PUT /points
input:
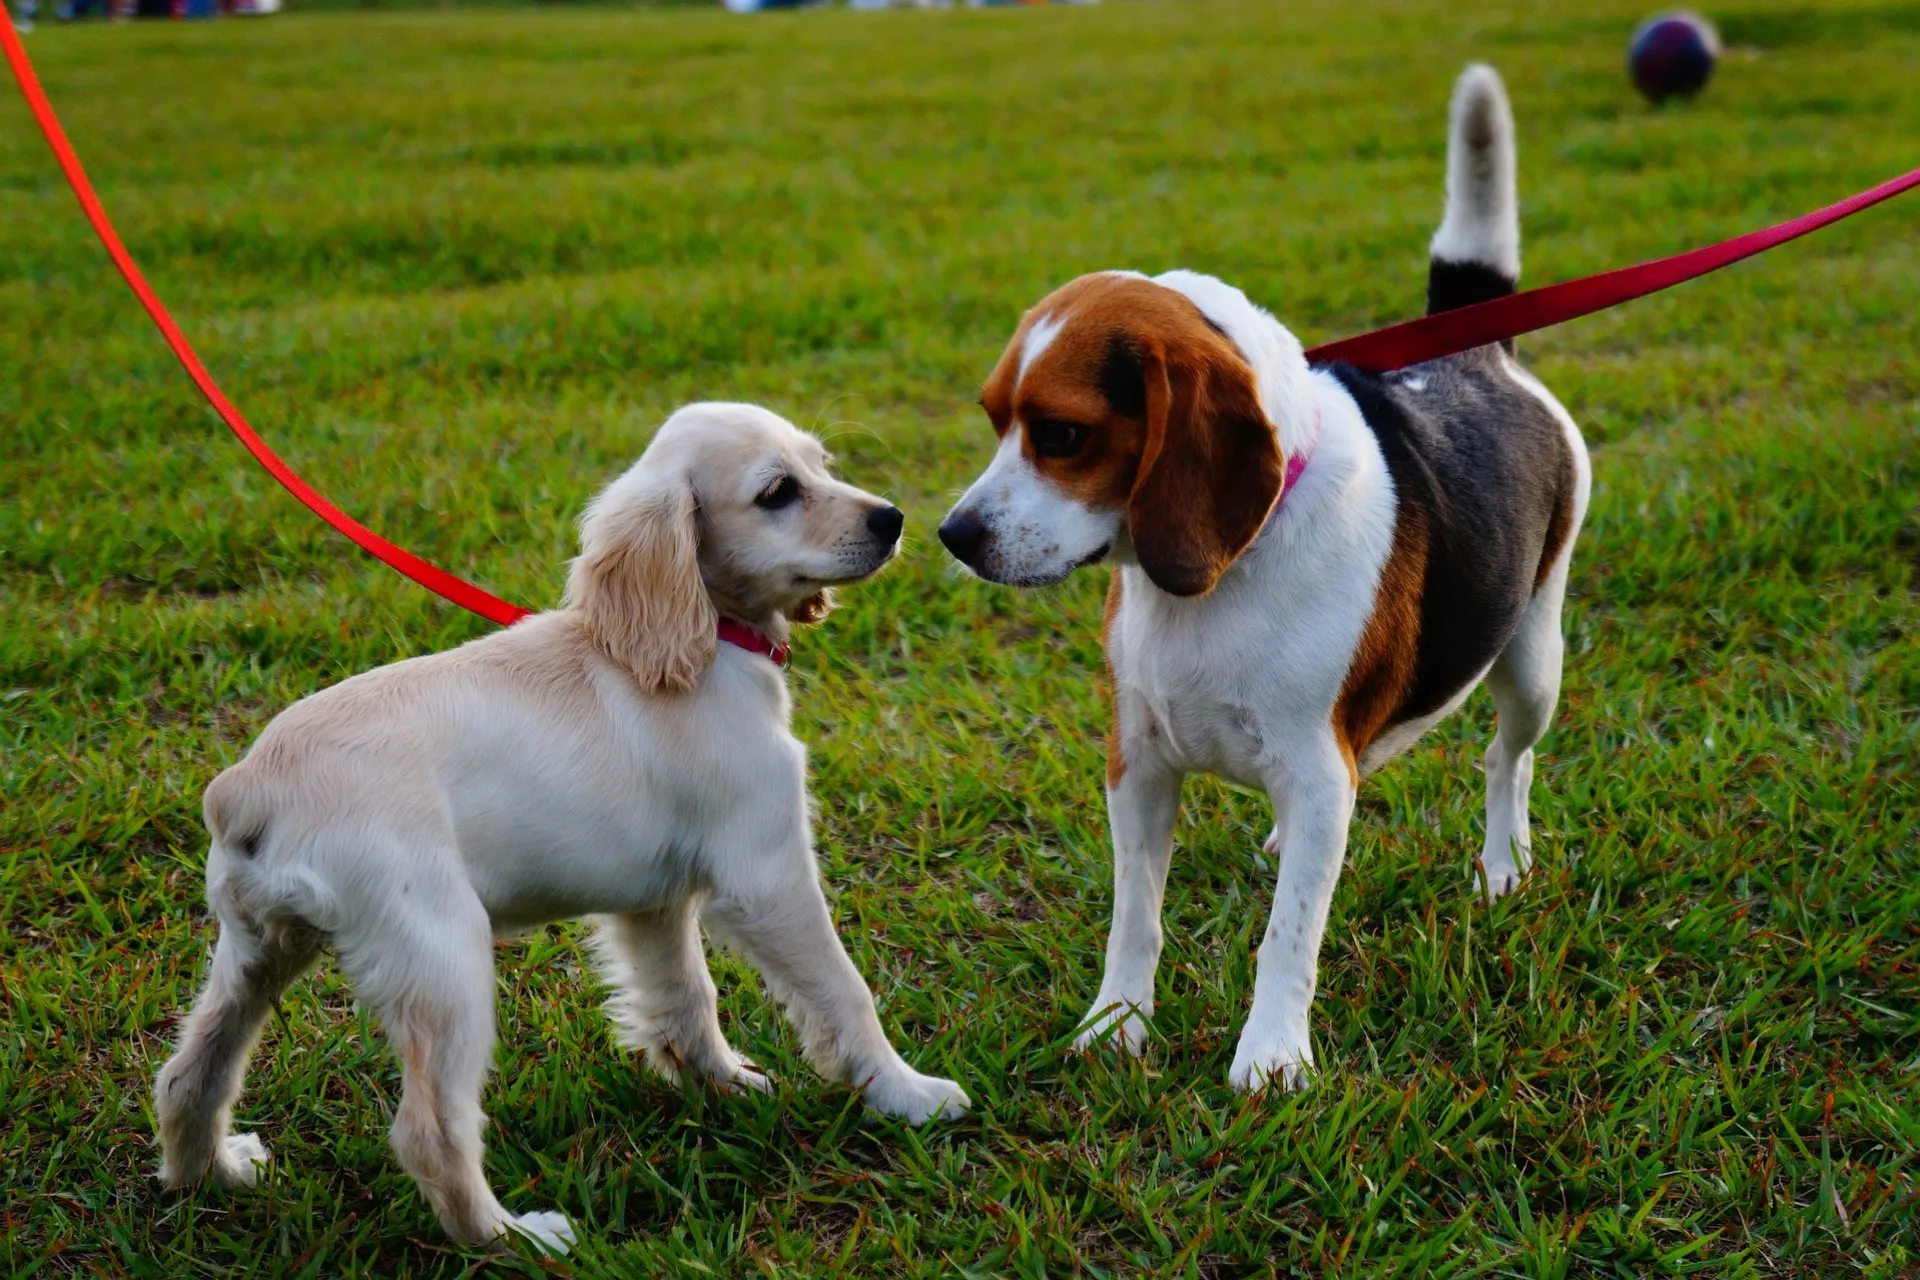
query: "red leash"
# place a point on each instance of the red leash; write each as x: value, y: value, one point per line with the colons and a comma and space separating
x: 1451, y: 332
x: 432, y: 577
x: 1394, y: 347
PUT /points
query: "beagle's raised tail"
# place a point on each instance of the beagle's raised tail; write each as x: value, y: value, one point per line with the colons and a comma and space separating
x: 1475, y: 255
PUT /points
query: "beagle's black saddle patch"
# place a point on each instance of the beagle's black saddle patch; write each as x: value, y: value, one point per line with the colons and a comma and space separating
x: 1484, y: 477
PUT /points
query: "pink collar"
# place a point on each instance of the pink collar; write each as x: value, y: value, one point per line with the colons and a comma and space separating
x: 1296, y: 463
x: 742, y: 636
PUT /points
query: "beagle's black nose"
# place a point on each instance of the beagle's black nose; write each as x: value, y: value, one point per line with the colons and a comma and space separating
x: 885, y: 524
x: 963, y: 533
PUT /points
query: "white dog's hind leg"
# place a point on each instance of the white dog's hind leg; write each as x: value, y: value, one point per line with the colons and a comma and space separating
x: 1525, y: 683
x: 1141, y: 808
x: 664, y: 1002
x: 428, y: 975
x: 787, y: 933
x: 194, y: 1095
x: 1315, y: 808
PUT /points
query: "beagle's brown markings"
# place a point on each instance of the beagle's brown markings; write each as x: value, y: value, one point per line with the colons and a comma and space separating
x: 1171, y: 410
x: 1484, y: 488
x: 1381, y: 676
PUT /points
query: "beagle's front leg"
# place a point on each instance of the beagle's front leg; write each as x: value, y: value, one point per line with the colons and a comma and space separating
x: 1142, y: 801
x: 1313, y: 796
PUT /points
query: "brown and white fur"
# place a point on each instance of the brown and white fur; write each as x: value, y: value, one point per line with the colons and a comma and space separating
x: 608, y: 757
x: 1292, y: 642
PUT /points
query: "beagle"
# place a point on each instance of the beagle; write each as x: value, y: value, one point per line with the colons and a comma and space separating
x: 1315, y: 565
x: 627, y: 755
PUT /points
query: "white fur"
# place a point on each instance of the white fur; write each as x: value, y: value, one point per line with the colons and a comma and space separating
x: 1241, y: 682
x: 1039, y: 337
x: 411, y: 814
x: 1274, y: 354
x: 1482, y: 222
x: 1040, y: 533
x: 1525, y: 681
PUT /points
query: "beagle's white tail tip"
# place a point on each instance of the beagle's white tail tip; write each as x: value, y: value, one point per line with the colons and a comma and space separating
x: 1482, y: 223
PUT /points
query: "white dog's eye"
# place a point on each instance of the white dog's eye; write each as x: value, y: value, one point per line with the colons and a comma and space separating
x: 779, y: 493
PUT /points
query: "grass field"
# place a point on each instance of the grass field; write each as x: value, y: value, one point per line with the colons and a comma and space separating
x: 458, y: 265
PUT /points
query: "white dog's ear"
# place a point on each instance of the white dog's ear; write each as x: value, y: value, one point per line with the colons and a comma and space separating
x: 637, y: 585
x: 813, y: 608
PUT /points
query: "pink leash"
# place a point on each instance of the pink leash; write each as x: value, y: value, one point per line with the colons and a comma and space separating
x: 1394, y: 347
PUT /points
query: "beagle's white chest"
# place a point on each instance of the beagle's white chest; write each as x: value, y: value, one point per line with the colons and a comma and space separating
x: 1200, y: 705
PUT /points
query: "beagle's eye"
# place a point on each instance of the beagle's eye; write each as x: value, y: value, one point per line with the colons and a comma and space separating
x: 780, y: 493
x: 1053, y: 439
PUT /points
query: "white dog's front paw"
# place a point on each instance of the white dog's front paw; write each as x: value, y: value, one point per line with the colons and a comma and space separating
x: 547, y: 1231
x: 239, y: 1160
x: 1114, y: 1023
x: 1269, y: 1062
x: 916, y: 1098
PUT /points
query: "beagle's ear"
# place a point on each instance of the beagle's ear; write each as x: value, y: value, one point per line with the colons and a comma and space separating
x: 814, y: 607
x: 637, y: 588
x: 1211, y: 468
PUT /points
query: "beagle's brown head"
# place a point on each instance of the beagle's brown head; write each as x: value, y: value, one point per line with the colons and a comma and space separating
x: 1128, y: 424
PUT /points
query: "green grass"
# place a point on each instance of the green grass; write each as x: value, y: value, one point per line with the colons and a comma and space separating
x: 458, y: 265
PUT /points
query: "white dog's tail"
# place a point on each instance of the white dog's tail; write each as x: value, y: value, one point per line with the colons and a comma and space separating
x: 257, y: 878
x: 237, y: 809
x: 1475, y: 254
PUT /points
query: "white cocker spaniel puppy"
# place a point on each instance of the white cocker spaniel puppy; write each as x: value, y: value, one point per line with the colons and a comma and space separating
x: 627, y: 755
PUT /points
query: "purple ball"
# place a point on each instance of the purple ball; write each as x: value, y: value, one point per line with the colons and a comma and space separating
x: 1672, y: 56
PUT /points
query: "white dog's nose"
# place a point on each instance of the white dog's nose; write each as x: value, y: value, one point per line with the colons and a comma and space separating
x: 885, y: 524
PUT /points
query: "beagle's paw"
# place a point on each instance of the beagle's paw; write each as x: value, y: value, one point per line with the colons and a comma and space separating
x: 1266, y: 1060
x: 1506, y: 855
x: 1502, y: 872
x: 1114, y: 1023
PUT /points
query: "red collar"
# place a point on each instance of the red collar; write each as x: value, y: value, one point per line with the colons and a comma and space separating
x: 742, y: 636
